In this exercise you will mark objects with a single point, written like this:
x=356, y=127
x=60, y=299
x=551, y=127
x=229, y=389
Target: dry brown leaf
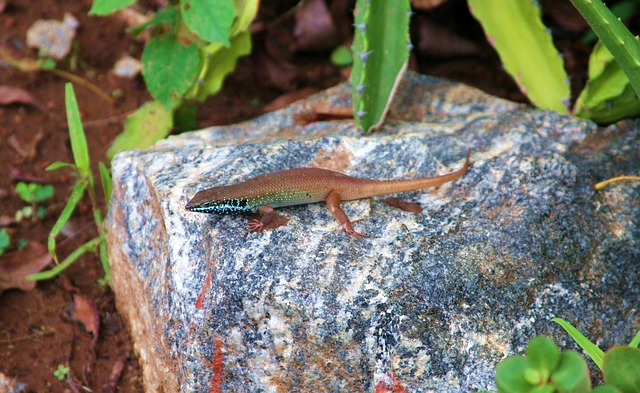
x=426, y=4
x=398, y=203
x=314, y=29
x=86, y=313
x=15, y=266
x=15, y=95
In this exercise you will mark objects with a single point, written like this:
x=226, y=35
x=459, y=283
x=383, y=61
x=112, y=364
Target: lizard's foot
x=255, y=225
x=352, y=232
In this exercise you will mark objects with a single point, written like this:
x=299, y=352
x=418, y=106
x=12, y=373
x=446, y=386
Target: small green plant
x=546, y=369
x=85, y=183
x=61, y=372
x=194, y=46
x=33, y=194
x=5, y=240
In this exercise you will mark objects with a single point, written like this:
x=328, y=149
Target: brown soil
x=37, y=329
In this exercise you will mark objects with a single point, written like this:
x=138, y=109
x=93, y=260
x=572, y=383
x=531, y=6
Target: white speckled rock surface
x=431, y=302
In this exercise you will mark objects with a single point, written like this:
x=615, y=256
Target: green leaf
x=169, y=67
x=5, y=240
x=380, y=54
x=106, y=7
x=635, y=341
x=144, y=127
x=608, y=96
x=590, y=348
x=58, y=164
x=105, y=180
x=74, y=198
x=543, y=354
x=510, y=375
x=526, y=49
x=43, y=192
x=76, y=133
x=25, y=191
x=615, y=36
x=546, y=388
x=572, y=374
x=167, y=16
x=621, y=368
x=210, y=19
x=217, y=63
x=341, y=56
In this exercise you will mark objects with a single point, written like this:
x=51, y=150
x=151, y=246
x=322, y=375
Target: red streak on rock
x=217, y=368
x=395, y=387
x=203, y=294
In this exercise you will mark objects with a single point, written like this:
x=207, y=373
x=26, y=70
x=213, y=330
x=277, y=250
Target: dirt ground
x=42, y=329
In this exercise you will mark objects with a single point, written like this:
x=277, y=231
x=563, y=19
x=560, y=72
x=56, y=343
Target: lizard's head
x=212, y=200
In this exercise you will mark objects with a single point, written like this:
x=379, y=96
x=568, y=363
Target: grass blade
x=74, y=198
x=590, y=348
x=77, y=253
x=76, y=132
x=105, y=179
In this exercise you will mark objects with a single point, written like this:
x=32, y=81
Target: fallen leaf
x=15, y=95
x=29, y=149
x=314, y=29
x=111, y=383
x=289, y=98
x=426, y=4
x=441, y=42
x=15, y=266
x=398, y=203
x=85, y=312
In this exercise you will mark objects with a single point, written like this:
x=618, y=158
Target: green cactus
x=381, y=49
x=526, y=49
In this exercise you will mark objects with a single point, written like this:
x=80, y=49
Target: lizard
x=299, y=186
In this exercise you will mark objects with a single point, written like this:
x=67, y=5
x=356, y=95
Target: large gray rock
x=431, y=302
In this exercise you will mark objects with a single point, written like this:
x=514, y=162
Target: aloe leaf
x=615, y=36
x=245, y=11
x=217, y=63
x=526, y=49
x=590, y=348
x=144, y=127
x=381, y=50
x=608, y=96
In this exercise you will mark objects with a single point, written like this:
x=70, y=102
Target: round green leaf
x=510, y=375
x=621, y=368
x=543, y=354
x=144, y=127
x=169, y=67
x=209, y=19
x=572, y=374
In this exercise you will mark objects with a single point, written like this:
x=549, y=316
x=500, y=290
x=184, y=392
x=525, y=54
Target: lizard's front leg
x=268, y=219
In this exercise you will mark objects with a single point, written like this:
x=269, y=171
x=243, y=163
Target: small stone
x=127, y=67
